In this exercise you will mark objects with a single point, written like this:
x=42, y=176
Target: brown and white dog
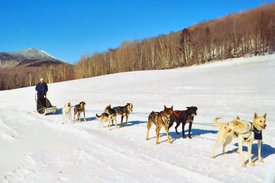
x=78, y=109
x=245, y=132
x=66, y=111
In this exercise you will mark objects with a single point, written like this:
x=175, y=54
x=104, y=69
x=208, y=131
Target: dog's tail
x=97, y=116
x=216, y=122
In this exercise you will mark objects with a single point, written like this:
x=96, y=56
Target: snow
x=36, y=148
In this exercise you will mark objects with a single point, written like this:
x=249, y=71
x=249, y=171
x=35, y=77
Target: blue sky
x=69, y=29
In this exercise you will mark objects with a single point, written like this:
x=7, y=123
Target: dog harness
x=163, y=120
x=176, y=114
x=246, y=135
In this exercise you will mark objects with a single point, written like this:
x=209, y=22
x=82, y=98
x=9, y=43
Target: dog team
x=244, y=131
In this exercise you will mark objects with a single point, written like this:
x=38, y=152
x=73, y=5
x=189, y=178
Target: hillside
x=39, y=148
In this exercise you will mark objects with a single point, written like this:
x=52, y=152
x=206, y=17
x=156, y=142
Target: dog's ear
x=265, y=116
x=172, y=107
x=255, y=115
x=165, y=107
x=238, y=118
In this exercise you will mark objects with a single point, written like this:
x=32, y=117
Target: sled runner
x=46, y=108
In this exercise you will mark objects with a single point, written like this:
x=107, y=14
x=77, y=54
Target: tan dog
x=245, y=132
x=102, y=118
x=66, y=111
x=160, y=119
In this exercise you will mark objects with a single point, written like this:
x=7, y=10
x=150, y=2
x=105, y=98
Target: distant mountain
x=32, y=54
x=27, y=58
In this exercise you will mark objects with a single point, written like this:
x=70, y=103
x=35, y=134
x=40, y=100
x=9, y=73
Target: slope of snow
x=37, y=148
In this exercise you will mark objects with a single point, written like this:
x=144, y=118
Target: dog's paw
x=170, y=142
x=243, y=165
x=261, y=160
x=190, y=137
x=212, y=157
x=252, y=164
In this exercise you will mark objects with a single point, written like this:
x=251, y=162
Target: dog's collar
x=255, y=130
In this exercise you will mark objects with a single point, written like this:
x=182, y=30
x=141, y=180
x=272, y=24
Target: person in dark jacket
x=42, y=90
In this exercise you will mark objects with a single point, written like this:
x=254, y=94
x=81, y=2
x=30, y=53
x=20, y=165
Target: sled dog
x=78, y=109
x=111, y=115
x=186, y=116
x=102, y=118
x=160, y=119
x=124, y=111
x=245, y=132
x=66, y=111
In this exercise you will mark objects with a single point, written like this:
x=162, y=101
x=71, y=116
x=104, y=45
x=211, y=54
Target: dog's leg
x=167, y=134
x=176, y=127
x=157, y=135
x=84, y=116
x=214, y=149
x=149, y=125
x=189, y=130
x=78, y=117
x=218, y=142
x=259, y=151
x=122, y=116
x=183, y=134
x=249, y=147
x=109, y=122
x=240, y=144
x=126, y=119
x=70, y=118
x=228, y=140
x=115, y=122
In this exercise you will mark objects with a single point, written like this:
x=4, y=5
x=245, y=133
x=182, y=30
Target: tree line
x=19, y=77
x=236, y=35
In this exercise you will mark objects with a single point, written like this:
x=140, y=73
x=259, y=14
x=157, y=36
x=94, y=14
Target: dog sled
x=46, y=108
